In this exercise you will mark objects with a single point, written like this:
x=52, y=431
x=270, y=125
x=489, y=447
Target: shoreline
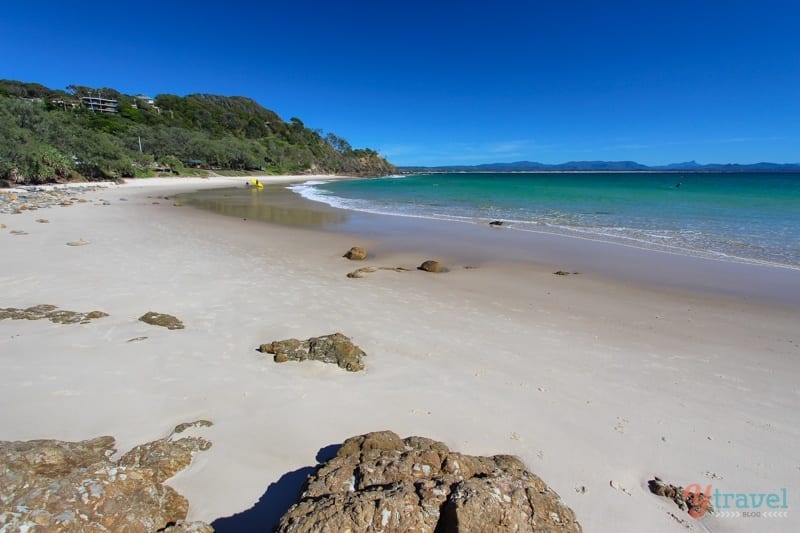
x=466, y=241
x=587, y=379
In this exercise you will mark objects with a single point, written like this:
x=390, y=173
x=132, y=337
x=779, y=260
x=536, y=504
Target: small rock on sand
x=50, y=312
x=356, y=253
x=161, y=319
x=336, y=349
x=79, y=242
x=432, y=266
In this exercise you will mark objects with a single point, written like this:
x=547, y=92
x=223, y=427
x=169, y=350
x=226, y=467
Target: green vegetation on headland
x=49, y=135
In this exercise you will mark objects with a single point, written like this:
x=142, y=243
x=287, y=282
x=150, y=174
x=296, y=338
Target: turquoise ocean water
x=736, y=217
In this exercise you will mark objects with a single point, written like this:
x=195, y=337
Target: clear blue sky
x=453, y=82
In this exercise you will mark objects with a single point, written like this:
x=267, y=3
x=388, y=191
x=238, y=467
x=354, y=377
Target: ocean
x=748, y=217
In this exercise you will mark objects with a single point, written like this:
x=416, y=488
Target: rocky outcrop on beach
x=52, y=485
x=380, y=482
x=335, y=349
x=356, y=253
x=51, y=313
x=432, y=266
x=15, y=201
x=161, y=319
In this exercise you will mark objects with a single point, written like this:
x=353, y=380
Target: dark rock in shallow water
x=336, y=349
x=356, y=253
x=51, y=485
x=432, y=266
x=380, y=482
x=161, y=319
x=496, y=223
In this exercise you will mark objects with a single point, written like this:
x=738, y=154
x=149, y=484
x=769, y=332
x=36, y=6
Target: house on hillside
x=99, y=104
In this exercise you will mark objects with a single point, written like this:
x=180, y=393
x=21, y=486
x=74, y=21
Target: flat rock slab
x=335, y=349
x=52, y=485
x=380, y=482
x=51, y=313
x=161, y=319
x=359, y=273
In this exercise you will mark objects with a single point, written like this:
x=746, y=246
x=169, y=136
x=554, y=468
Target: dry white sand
x=589, y=381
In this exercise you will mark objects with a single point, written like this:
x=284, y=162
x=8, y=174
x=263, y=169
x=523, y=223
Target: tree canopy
x=48, y=135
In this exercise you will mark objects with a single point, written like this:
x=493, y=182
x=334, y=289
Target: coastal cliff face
x=83, y=133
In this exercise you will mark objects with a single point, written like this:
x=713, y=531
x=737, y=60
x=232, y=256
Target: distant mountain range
x=609, y=166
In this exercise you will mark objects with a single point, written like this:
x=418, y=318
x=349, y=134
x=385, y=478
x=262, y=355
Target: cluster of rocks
x=380, y=482
x=51, y=485
x=376, y=482
x=15, y=201
x=335, y=349
x=51, y=313
x=695, y=502
x=356, y=253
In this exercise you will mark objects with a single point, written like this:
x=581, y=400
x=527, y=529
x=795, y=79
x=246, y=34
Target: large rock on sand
x=336, y=349
x=356, y=253
x=51, y=485
x=380, y=482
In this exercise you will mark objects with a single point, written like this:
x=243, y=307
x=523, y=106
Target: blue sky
x=453, y=82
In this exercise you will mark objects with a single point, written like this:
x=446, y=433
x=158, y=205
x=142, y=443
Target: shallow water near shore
x=480, y=244
x=273, y=204
x=744, y=217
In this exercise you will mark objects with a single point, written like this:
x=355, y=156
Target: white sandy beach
x=588, y=380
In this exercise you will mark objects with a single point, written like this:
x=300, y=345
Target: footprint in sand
x=616, y=486
x=18, y=232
